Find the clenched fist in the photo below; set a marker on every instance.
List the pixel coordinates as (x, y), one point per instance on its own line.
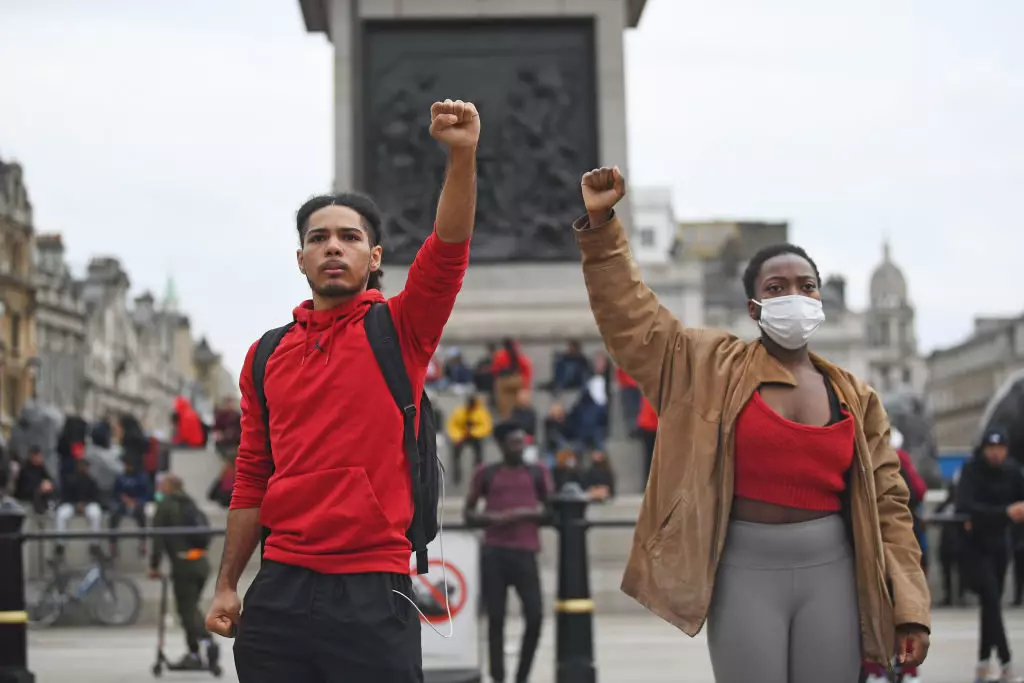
(224, 613)
(602, 189)
(456, 124)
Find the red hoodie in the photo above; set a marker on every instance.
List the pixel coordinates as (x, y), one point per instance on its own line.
(339, 500)
(503, 362)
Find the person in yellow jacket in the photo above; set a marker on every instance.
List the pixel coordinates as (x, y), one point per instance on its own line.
(468, 425)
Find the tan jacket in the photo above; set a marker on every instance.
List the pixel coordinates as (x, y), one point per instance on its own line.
(698, 380)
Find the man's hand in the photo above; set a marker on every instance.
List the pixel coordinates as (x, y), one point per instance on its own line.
(912, 642)
(224, 614)
(602, 189)
(456, 124)
(1016, 512)
(154, 573)
(45, 486)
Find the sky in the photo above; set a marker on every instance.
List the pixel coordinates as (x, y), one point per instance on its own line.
(181, 137)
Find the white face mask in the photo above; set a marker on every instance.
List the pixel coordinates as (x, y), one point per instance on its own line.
(790, 320)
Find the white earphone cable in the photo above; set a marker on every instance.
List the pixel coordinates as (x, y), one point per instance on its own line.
(444, 570)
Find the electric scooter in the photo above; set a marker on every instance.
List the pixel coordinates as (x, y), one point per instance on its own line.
(161, 659)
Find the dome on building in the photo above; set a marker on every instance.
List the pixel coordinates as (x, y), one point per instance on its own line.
(888, 286)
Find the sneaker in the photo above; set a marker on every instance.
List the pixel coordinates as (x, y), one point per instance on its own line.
(873, 678)
(981, 672)
(212, 654)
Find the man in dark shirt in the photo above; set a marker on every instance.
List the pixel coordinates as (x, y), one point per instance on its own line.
(515, 496)
(80, 496)
(190, 568)
(35, 485)
(990, 492)
(131, 493)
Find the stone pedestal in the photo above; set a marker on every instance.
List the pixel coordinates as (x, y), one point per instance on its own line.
(548, 76)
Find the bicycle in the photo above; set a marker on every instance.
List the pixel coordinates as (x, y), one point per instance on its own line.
(112, 599)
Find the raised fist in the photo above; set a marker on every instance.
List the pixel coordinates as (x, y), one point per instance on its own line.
(602, 189)
(456, 124)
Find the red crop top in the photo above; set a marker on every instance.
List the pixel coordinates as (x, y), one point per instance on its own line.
(788, 463)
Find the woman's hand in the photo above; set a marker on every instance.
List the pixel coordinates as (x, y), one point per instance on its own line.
(912, 643)
(602, 190)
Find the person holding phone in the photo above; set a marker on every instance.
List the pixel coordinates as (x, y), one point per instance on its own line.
(775, 510)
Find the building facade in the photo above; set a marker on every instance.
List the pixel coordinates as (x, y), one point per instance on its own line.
(963, 378)
(893, 359)
(18, 360)
(112, 369)
(60, 329)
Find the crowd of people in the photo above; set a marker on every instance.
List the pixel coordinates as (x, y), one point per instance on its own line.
(571, 438)
(65, 467)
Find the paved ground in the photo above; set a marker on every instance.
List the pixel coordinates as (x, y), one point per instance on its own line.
(635, 649)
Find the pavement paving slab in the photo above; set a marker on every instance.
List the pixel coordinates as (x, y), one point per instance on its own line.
(630, 649)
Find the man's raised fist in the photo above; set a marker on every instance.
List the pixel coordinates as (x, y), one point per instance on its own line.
(456, 124)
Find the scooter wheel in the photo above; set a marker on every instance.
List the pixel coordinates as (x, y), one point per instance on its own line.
(157, 670)
(216, 670)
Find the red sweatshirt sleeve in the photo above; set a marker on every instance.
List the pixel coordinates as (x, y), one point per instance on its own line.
(422, 309)
(253, 465)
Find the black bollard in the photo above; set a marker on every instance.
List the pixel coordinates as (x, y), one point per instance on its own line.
(574, 633)
(13, 617)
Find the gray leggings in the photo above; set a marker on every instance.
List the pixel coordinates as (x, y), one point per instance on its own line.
(785, 605)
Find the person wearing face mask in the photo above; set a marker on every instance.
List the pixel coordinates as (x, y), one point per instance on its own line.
(775, 510)
(515, 495)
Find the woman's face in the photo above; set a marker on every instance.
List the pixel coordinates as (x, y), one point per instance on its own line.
(784, 275)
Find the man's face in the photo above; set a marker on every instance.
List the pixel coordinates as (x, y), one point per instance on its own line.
(336, 255)
(995, 454)
(36, 458)
(514, 444)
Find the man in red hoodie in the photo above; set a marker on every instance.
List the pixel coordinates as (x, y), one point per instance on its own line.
(327, 604)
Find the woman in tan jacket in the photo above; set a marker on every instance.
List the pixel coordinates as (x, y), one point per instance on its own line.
(775, 508)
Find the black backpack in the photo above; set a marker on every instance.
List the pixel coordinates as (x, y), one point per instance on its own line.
(420, 450)
(192, 516)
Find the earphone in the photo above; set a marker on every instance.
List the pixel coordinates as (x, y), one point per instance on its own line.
(444, 570)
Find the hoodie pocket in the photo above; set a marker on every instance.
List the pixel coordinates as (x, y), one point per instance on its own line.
(325, 512)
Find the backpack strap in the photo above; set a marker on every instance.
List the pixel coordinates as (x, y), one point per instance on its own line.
(264, 349)
(487, 477)
(383, 338)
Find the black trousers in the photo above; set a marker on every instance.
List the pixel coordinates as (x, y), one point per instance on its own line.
(299, 625)
(188, 577)
(474, 445)
(502, 568)
(952, 581)
(985, 569)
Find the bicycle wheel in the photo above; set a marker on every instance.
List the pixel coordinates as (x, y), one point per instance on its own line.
(115, 601)
(47, 608)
